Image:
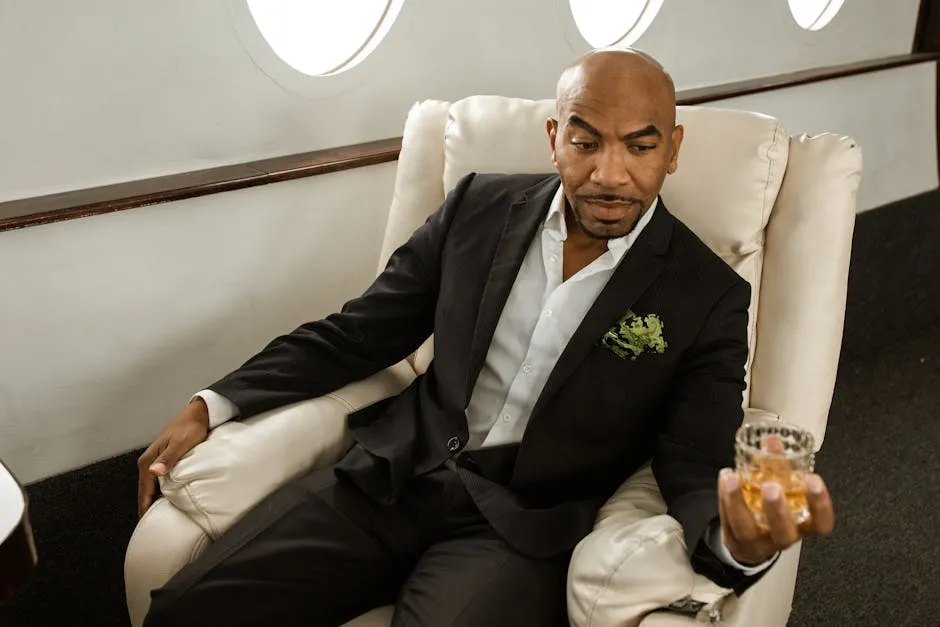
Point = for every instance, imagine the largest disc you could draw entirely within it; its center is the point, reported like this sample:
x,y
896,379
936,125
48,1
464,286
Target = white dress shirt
x,y
541,315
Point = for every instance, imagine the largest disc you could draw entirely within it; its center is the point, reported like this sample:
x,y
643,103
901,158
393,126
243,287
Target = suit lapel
x,y
637,270
526,213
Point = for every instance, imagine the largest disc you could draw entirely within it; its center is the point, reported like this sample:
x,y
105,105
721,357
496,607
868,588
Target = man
x,y
464,495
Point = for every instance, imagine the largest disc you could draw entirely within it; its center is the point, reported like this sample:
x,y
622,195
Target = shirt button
x,y
526,369
453,444
507,417
554,257
548,313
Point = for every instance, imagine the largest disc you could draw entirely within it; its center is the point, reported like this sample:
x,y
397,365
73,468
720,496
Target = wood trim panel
x,y
16,214
106,199
82,203
802,77
927,40
920,30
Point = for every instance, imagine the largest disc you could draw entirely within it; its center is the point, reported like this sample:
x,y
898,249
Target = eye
x,y
640,148
585,146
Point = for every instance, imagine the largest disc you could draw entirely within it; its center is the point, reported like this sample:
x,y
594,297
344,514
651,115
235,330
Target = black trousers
x,y
319,552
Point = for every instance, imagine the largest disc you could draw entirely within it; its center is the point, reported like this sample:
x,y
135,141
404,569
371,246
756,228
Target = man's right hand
x,y
186,430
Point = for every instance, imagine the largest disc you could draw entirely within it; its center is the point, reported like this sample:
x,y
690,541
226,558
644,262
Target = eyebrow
x,y
643,132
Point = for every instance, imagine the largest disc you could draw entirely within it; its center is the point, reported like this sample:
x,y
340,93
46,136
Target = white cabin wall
x,y
891,114
108,324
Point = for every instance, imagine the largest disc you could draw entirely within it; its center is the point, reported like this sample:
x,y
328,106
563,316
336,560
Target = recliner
x,y
779,209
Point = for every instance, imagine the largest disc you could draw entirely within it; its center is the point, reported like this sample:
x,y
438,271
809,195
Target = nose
x,y
610,169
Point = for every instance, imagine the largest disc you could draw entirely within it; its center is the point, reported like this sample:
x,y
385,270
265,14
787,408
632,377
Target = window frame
x,y
354,73
352,59
825,16
650,10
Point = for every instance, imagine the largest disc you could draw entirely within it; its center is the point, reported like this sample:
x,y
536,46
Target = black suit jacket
x,y
599,417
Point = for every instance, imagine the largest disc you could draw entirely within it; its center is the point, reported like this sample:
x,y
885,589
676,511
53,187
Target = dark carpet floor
x,y
881,459
881,567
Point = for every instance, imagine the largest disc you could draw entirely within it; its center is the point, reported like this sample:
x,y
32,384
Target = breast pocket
x,y
624,383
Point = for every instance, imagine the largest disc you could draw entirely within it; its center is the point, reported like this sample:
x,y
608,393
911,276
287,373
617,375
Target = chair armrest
x,y
766,603
634,562
163,542
806,252
243,461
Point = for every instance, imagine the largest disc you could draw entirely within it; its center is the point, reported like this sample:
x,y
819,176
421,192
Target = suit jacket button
x,y
453,445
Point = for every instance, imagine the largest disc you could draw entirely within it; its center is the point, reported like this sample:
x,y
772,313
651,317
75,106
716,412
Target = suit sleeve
x,y
380,328
697,438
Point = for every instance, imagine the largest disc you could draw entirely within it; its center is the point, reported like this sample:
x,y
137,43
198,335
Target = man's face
x,y
613,144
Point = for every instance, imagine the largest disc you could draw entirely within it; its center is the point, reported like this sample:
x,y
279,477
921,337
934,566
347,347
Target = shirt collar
x,y
555,224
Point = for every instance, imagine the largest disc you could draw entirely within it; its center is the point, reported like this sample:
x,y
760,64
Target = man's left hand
x,y
750,543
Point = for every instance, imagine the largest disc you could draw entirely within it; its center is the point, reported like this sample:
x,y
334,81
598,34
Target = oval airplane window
x,y
324,37
814,14
606,23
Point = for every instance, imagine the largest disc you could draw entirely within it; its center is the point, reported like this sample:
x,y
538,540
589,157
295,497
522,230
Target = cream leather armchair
x,y
779,209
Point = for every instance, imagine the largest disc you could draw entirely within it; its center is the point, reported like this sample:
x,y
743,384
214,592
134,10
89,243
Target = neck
x,y
578,239
580,249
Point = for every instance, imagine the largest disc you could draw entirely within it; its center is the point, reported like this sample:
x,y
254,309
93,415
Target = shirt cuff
x,y
715,542
220,408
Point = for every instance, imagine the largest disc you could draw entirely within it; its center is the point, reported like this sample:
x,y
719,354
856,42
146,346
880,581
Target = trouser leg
x,y
315,552
470,577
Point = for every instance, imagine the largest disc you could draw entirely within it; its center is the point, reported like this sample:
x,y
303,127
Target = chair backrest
x,y
779,210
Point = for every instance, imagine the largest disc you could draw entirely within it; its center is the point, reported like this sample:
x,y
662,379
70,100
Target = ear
x,y
551,127
677,134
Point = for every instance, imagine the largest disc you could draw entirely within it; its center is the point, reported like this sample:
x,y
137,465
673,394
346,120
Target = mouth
x,y
609,210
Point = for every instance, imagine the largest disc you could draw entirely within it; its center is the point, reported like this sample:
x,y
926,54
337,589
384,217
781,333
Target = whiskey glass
x,y
779,452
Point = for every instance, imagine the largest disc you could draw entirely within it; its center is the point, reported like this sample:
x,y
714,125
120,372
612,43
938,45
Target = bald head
x,y
611,72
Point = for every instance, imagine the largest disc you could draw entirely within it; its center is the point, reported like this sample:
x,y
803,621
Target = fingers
x,y
746,540
145,480
144,493
753,542
180,436
165,462
156,461
723,489
821,512
772,444
780,524
732,509
774,463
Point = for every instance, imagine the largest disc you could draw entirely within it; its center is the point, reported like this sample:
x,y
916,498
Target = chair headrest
x,y
731,163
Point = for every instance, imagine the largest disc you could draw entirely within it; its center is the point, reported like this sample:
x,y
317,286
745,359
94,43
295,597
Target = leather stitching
x,y
198,547
765,207
213,532
342,401
752,339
